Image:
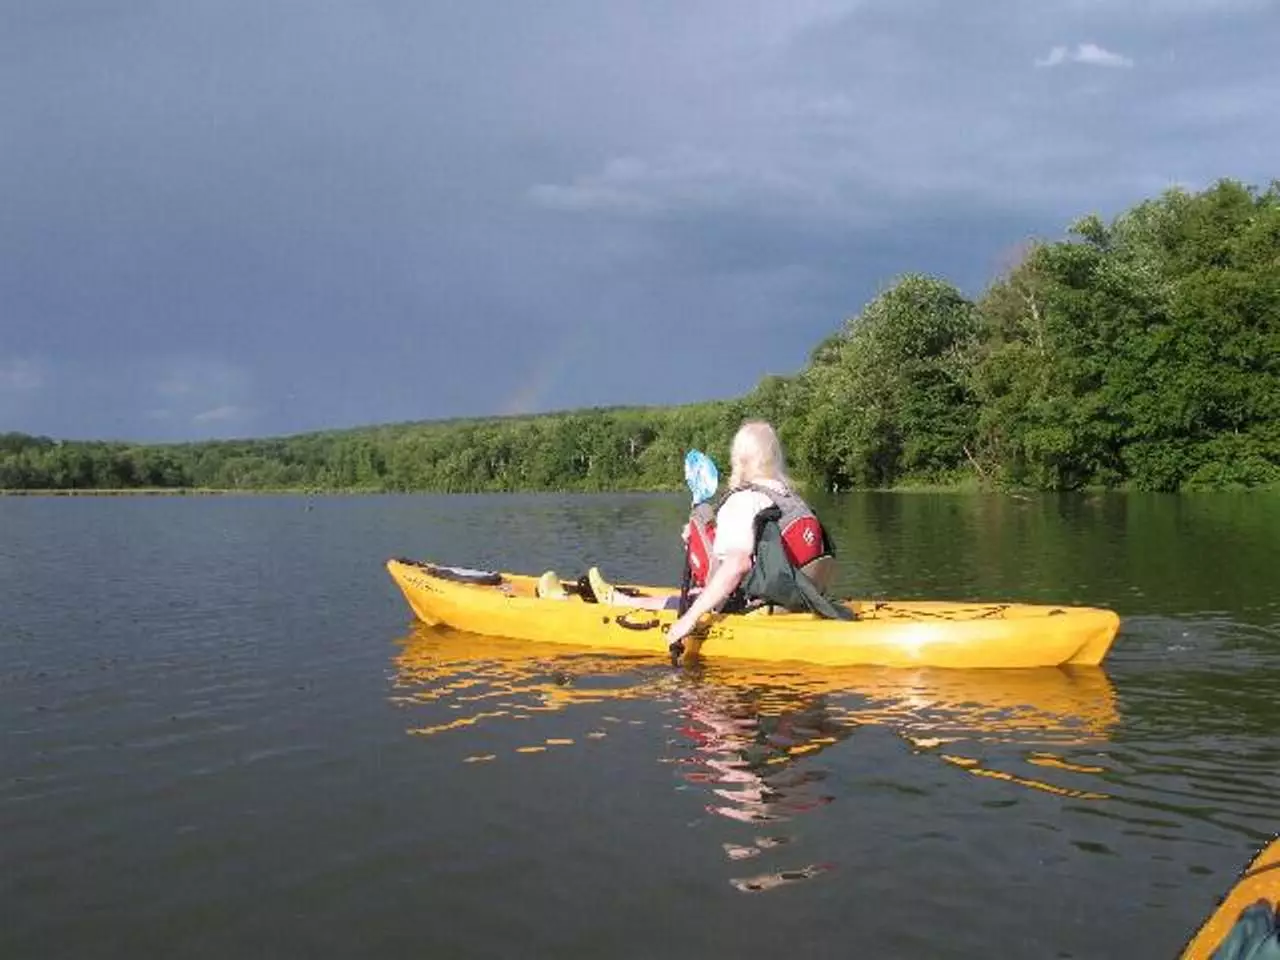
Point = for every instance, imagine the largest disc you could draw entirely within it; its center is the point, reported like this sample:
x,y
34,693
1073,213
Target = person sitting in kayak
x,y
768,545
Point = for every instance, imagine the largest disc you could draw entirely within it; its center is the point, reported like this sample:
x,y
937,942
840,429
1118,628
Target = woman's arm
x,y
730,569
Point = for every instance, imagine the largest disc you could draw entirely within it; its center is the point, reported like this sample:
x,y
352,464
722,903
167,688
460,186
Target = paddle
x,y
703,479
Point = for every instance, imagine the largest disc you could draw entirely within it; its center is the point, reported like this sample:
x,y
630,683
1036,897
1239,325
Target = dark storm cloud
x,y
247,218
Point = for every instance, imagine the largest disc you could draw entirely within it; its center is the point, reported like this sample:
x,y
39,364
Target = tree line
x,y
1140,353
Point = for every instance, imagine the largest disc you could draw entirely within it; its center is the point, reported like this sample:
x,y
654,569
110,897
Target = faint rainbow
x,y
529,396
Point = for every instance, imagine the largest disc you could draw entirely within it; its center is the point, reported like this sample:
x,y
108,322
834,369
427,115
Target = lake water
x,y
224,736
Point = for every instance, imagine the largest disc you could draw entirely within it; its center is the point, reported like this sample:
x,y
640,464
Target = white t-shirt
x,y
736,520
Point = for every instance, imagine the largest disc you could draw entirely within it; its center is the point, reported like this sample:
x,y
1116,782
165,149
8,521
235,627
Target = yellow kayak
x,y
887,634
1258,892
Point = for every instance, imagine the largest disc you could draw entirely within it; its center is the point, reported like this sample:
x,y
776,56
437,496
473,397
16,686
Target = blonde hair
x,y
756,454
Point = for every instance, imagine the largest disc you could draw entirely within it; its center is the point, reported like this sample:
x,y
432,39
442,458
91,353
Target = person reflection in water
x,y
751,748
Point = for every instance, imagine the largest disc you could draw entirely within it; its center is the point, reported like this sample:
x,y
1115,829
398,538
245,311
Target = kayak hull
x,y
886,634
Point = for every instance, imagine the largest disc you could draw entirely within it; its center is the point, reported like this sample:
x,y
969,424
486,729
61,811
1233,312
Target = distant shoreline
x,y
961,487
291,491
171,492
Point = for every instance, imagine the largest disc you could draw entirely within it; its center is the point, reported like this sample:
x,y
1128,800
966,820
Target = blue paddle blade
x,y
701,475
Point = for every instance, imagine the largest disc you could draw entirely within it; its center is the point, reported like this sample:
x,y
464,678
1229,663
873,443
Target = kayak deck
x,y
891,634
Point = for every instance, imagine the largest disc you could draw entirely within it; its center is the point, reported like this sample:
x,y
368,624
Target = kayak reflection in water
x,y
745,738
765,547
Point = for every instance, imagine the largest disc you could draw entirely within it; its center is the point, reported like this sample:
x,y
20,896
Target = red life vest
x,y
702,538
802,534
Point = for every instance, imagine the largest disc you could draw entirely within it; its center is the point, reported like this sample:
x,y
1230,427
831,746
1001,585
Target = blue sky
x,y
259,217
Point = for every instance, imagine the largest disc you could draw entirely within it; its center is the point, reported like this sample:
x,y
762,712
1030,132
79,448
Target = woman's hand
x,y
728,574
680,629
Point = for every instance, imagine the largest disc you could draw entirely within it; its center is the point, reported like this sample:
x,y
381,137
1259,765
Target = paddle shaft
x,y
703,479
686,580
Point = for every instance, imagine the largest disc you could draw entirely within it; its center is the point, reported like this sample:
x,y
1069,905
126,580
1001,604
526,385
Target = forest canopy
x,y
1140,353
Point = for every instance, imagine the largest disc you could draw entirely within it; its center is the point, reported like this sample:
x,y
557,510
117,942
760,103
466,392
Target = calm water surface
x,y
224,736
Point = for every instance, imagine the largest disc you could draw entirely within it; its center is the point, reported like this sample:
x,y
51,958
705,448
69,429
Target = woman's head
x,y
757,455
